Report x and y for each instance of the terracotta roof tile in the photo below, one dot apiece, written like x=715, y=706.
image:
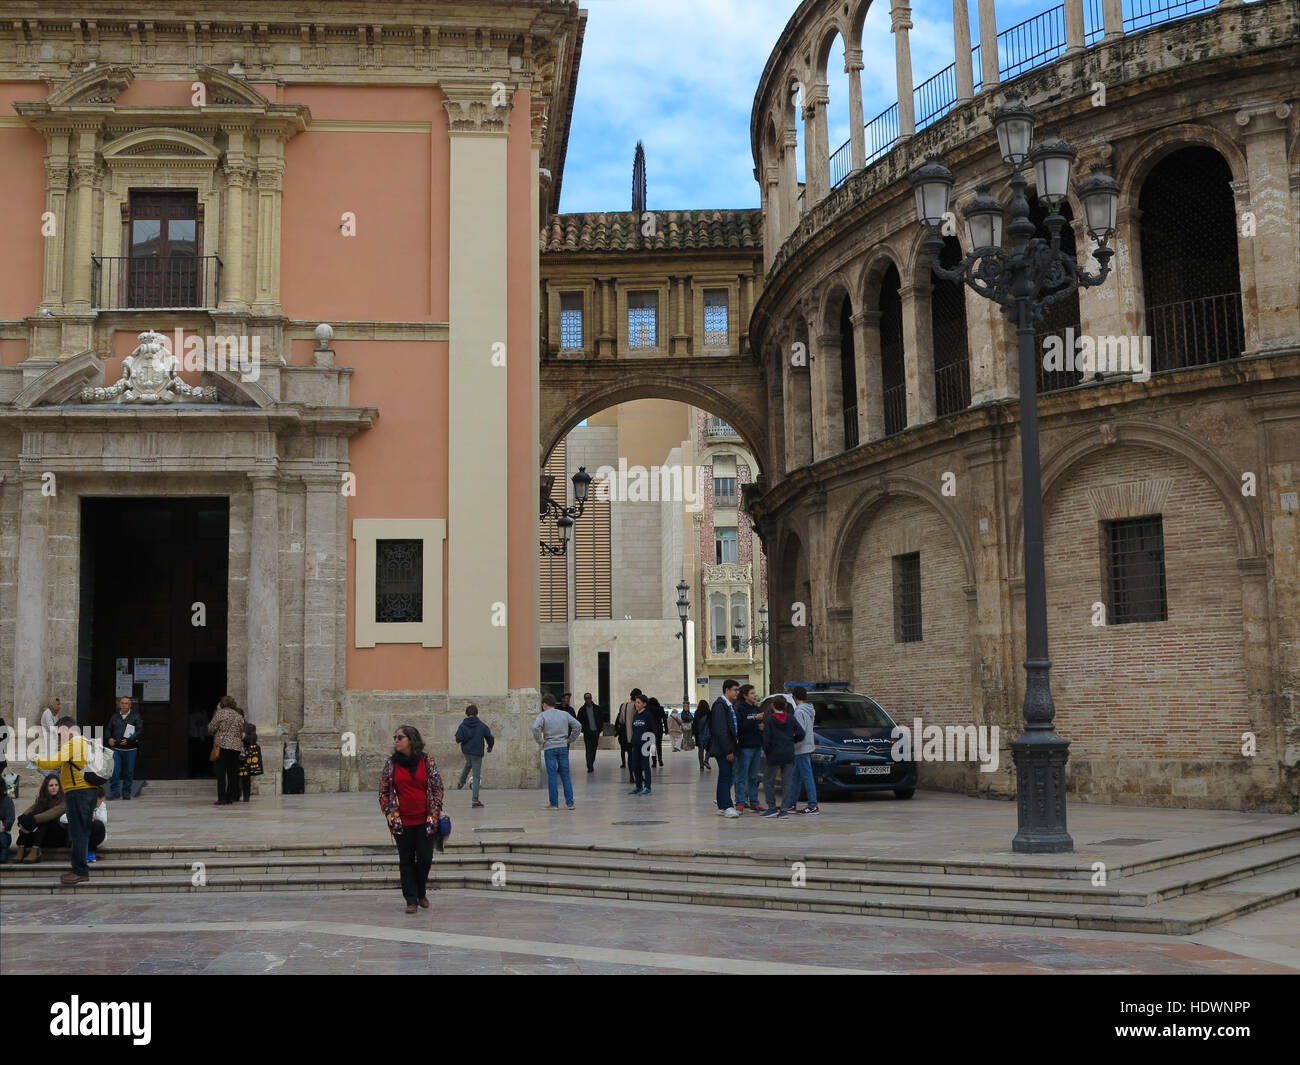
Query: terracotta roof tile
x=674, y=231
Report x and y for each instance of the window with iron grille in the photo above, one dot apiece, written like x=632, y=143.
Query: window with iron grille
x=1060, y=319
x=726, y=545
x=1135, y=572
x=715, y=318
x=893, y=374
x=848, y=375
x=948, y=331
x=643, y=319
x=724, y=491
x=399, y=581
x=907, y=598
x=718, y=621
x=1190, y=275
x=571, y=321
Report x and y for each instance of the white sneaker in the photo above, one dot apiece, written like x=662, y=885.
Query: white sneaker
x=730, y=811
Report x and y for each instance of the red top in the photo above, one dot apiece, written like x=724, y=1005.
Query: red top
x=412, y=794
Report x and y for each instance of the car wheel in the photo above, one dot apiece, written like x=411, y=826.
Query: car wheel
x=904, y=793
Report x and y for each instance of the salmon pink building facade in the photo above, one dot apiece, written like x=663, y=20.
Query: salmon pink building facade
x=268, y=374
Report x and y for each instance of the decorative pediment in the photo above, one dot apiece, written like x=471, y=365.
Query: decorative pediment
x=99, y=85
x=62, y=382
x=225, y=89
x=158, y=141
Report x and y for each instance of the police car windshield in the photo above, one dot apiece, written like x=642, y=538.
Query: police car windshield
x=843, y=710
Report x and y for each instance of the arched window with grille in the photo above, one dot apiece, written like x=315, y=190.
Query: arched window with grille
x=893, y=372
x=848, y=375
x=1061, y=319
x=948, y=328
x=718, y=621
x=1190, y=275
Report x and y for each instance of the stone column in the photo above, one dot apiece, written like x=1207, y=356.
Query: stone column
x=681, y=339
x=605, y=308
x=866, y=352
x=857, y=123
x=84, y=178
x=900, y=21
x=31, y=628
x=989, y=45
x=238, y=178
x=987, y=334
x=263, y=699
x=1073, y=26
x=270, y=192
x=817, y=153
x=918, y=352
x=827, y=392
x=1273, y=245
x=965, y=75
x=790, y=212
x=775, y=230
x=56, y=203
x=1112, y=15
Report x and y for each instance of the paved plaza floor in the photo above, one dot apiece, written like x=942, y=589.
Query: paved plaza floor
x=481, y=931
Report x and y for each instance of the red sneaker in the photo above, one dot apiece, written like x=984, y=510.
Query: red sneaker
x=759, y=807
x=740, y=807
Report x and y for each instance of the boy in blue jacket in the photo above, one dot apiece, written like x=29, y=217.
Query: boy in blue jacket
x=472, y=735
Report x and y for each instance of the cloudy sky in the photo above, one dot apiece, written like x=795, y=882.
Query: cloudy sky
x=681, y=75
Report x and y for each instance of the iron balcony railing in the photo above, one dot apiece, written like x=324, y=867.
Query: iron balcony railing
x=952, y=387
x=1195, y=332
x=717, y=427
x=726, y=499
x=895, y=400
x=122, y=282
x=1021, y=48
x=850, y=427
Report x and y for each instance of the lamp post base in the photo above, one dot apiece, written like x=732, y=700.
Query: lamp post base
x=1040, y=756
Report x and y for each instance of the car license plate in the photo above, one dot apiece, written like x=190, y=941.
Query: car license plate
x=872, y=770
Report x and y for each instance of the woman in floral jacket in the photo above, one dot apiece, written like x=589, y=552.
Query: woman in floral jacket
x=410, y=795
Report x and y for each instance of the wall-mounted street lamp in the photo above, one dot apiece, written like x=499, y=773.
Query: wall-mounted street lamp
x=756, y=641
x=1024, y=281
x=564, y=517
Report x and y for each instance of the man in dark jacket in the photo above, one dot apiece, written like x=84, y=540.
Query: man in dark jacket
x=593, y=719
x=124, y=728
x=472, y=734
x=749, y=742
x=780, y=733
x=647, y=731
x=722, y=746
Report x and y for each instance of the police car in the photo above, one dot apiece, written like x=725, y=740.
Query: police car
x=854, y=745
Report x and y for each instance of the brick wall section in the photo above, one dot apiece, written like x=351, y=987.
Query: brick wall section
x=929, y=679
x=1158, y=690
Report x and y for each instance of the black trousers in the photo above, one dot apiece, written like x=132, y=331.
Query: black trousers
x=640, y=765
x=228, y=776
x=245, y=787
x=48, y=835
x=414, y=858
x=97, y=834
x=592, y=740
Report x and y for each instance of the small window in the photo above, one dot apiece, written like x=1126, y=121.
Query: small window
x=724, y=491
x=718, y=621
x=643, y=319
x=726, y=545
x=1136, y=570
x=399, y=581
x=715, y=318
x=571, y=321
x=907, y=598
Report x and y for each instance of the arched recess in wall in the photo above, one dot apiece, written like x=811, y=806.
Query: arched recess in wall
x=831, y=71
x=893, y=366
x=1191, y=279
x=792, y=611
x=950, y=338
x=798, y=424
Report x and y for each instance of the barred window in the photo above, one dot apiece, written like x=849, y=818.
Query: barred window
x=399, y=581
x=715, y=318
x=1136, y=570
x=643, y=319
x=907, y=598
x=571, y=321
x=724, y=491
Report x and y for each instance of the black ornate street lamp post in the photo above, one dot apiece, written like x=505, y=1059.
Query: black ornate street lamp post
x=1024, y=282
x=756, y=641
x=564, y=516
x=683, y=612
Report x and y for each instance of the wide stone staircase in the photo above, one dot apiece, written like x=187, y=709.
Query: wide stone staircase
x=1176, y=894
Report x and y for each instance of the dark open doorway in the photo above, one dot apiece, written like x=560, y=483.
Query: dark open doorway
x=153, y=618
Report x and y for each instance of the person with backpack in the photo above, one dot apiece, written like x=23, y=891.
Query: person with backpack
x=124, y=728
x=227, y=731
x=780, y=734
x=700, y=730
x=79, y=781
x=473, y=734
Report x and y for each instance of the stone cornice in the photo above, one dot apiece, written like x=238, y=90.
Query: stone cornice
x=475, y=107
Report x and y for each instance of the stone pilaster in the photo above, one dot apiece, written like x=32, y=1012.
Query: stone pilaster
x=31, y=634
x=866, y=353
x=85, y=180
x=270, y=193
x=238, y=178
x=918, y=352
x=827, y=397
x=57, y=175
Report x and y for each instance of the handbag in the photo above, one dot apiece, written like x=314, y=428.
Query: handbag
x=444, y=826
x=214, y=754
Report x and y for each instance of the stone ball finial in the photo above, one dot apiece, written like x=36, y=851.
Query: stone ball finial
x=324, y=334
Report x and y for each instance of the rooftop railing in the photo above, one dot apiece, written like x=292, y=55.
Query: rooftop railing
x=1021, y=48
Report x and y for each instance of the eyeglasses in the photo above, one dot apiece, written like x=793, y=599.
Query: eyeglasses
x=399, y=736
